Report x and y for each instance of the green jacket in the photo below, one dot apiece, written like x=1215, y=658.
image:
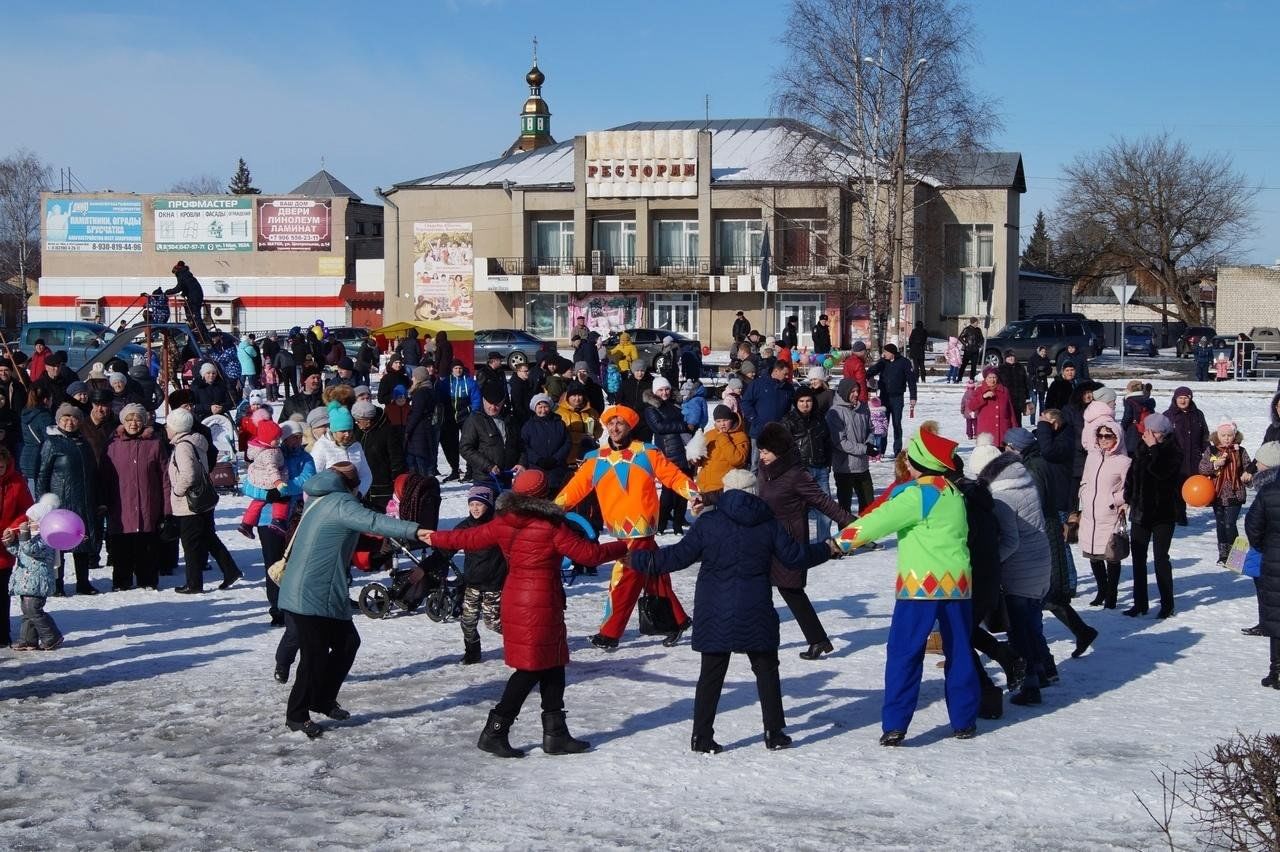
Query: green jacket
x=928, y=515
x=315, y=577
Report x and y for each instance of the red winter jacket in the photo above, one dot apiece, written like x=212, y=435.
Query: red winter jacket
x=533, y=537
x=15, y=499
x=856, y=368
x=995, y=415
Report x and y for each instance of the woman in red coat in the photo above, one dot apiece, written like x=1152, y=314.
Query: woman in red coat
x=531, y=533
x=991, y=407
x=15, y=499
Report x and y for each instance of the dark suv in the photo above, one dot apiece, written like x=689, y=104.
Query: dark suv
x=1191, y=335
x=1025, y=336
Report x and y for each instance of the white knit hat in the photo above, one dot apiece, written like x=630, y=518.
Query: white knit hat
x=983, y=454
x=180, y=421
x=818, y=374
x=540, y=397
x=659, y=383
x=740, y=480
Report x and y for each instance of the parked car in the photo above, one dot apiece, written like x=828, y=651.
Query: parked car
x=649, y=340
x=80, y=340
x=514, y=345
x=1093, y=328
x=1187, y=340
x=1025, y=336
x=1266, y=343
x=351, y=337
x=1140, y=340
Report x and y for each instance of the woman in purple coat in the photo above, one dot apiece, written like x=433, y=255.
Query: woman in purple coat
x=134, y=490
x=1192, y=434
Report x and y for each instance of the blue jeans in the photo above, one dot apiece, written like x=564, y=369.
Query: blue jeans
x=894, y=405
x=822, y=476
x=908, y=633
x=953, y=375
x=1026, y=634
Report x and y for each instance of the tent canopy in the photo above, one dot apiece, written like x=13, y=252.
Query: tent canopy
x=425, y=328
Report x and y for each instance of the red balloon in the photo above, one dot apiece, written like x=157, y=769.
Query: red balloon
x=706, y=350
x=1198, y=491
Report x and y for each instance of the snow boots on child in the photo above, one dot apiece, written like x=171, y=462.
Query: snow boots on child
x=493, y=738
x=556, y=738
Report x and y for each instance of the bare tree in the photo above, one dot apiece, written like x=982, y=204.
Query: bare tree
x=1151, y=204
x=198, y=185
x=23, y=176
x=886, y=81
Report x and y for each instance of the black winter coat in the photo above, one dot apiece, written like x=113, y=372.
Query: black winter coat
x=384, y=451
x=790, y=492
x=35, y=431
x=812, y=439
x=984, y=554
x=1262, y=527
x=57, y=386
x=741, y=328
x=301, y=403
x=483, y=446
x=545, y=445
x=1151, y=486
x=520, y=391
x=1058, y=448
x=1192, y=433
x=631, y=394
x=484, y=570
x=69, y=468
x=1133, y=408
x=1081, y=362
x=206, y=394
x=391, y=380
x=586, y=352
x=1273, y=431
x=422, y=410
x=1059, y=393
x=895, y=378
x=1038, y=372
x=1073, y=414
x=666, y=423
x=1014, y=378
x=821, y=339
x=733, y=600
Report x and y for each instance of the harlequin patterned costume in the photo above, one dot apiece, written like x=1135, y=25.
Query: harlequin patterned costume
x=624, y=481
x=933, y=584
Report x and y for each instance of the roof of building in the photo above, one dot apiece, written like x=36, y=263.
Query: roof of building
x=743, y=150
x=1025, y=273
x=324, y=185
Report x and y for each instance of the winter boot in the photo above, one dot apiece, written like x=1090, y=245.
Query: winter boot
x=1029, y=696
x=1084, y=640
x=493, y=738
x=471, y=653
x=704, y=745
x=556, y=738
x=1113, y=586
x=991, y=703
x=776, y=740
x=1273, y=674
x=1050, y=674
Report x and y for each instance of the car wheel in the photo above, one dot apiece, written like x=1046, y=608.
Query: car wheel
x=992, y=359
x=516, y=358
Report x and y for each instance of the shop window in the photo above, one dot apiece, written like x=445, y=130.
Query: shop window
x=546, y=315
x=739, y=243
x=969, y=252
x=553, y=245
x=676, y=312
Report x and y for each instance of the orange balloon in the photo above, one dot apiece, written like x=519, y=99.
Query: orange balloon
x=1198, y=491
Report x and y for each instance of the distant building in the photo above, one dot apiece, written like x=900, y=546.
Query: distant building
x=1042, y=293
x=663, y=224
x=1248, y=296
x=265, y=262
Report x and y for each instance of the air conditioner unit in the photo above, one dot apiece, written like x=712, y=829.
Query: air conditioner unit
x=89, y=310
x=597, y=262
x=220, y=312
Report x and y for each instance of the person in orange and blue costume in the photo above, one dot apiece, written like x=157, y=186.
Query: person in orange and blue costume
x=624, y=475
x=934, y=585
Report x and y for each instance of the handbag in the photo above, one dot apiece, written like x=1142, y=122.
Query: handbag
x=275, y=571
x=656, y=616
x=202, y=496
x=1117, y=549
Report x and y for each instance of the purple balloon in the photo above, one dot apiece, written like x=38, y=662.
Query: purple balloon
x=62, y=529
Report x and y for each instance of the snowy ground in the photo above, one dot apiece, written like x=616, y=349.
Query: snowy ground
x=159, y=726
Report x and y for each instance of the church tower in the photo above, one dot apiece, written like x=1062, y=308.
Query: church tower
x=535, y=118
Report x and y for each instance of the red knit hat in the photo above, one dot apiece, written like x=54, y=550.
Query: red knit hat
x=268, y=432
x=530, y=482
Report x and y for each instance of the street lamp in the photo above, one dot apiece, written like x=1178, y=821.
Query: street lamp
x=899, y=173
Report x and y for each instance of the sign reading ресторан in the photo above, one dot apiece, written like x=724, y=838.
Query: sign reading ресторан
x=294, y=224
x=642, y=163
x=204, y=223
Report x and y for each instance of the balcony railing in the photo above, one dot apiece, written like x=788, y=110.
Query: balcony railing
x=600, y=264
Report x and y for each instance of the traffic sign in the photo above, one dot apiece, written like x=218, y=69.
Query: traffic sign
x=911, y=289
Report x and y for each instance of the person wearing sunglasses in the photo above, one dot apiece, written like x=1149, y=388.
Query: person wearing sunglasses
x=1102, y=507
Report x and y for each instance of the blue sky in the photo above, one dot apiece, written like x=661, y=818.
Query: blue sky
x=149, y=93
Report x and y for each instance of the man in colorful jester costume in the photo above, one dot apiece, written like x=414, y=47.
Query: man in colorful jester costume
x=624, y=475
x=933, y=585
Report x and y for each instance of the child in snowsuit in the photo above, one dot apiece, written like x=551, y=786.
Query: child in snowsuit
x=934, y=584
x=483, y=573
x=955, y=357
x=1227, y=464
x=266, y=477
x=879, y=427
x=1222, y=367
x=34, y=578
x=970, y=416
x=612, y=378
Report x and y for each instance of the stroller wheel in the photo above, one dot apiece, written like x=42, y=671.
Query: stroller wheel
x=439, y=605
x=375, y=600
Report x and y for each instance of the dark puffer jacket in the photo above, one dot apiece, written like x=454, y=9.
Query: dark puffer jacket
x=35, y=429
x=484, y=570
x=1262, y=527
x=790, y=492
x=383, y=448
x=1151, y=489
x=1273, y=431
x=736, y=544
x=533, y=536
x=69, y=468
x=1192, y=433
x=206, y=394
x=484, y=447
x=545, y=445
x=666, y=423
x=812, y=439
x=417, y=430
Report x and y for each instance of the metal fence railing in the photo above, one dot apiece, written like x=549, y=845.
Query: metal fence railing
x=599, y=263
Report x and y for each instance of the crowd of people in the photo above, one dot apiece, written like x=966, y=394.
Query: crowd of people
x=637, y=448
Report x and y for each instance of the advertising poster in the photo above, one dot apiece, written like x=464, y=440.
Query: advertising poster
x=294, y=224
x=606, y=313
x=92, y=224
x=443, y=276
x=213, y=223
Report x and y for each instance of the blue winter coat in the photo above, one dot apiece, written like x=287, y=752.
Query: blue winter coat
x=545, y=442
x=666, y=423
x=733, y=601
x=458, y=396
x=35, y=572
x=35, y=428
x=896, y=377
x=315, y=578
x=695, y=408
x=417, y=429
x=766, y=401
x=298, y=467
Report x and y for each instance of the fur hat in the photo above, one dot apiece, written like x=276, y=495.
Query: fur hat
x=364, y=410
x=983, y=454
x=363, y=390
x=117, y=379
x=136, y=408
x=723, y=412
x=493, y=394
x=540, y=397
x=68, y=410
x=530, y=482
x=179, y=422
x=318, y=417
x=1268, y=454
x=46, y=504
x=775, y=438
x=734, y=383
x=741, y=480
x=98, y=371
x=660, y=382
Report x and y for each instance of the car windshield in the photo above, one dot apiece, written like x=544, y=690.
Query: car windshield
x=1014, y=330
x=1139, y=329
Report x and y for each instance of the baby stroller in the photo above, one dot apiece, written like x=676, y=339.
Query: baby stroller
x=223, y=474
x=440, y=587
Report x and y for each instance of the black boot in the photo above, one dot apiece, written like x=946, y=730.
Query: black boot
x=1050, y=674
x=556, y=738
x=776, y=740
x=1113, y=585
x=991, y=704
x=816, y=650
x=493, y=738
x=1273, y=674
x=704, y=745
x=471, y=653
x=1084, y=640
